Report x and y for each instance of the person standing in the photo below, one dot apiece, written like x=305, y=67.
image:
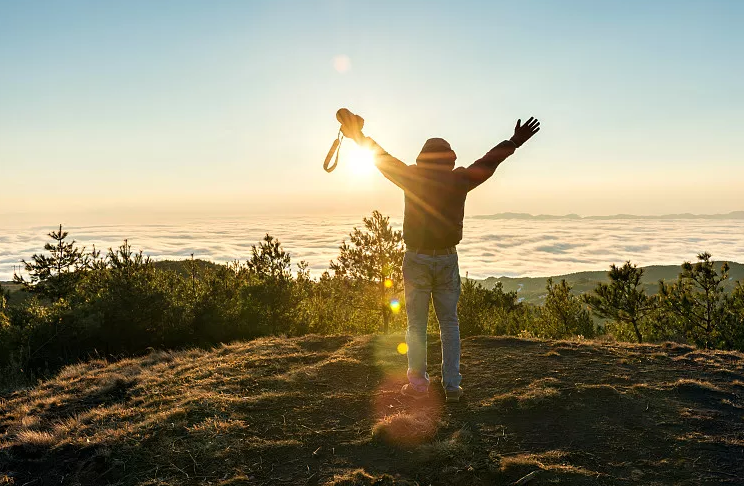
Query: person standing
x=435, y=193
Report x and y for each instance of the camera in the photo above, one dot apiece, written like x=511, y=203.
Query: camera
x=350, y=124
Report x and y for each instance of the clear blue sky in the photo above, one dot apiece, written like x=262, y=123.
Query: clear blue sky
x=228, y=106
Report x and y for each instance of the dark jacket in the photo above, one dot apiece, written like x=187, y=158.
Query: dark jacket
x=435, y=195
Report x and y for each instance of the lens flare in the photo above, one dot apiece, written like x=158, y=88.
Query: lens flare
x=341, y=63
x=395, y=306
x=402, y=348
x=388, y=283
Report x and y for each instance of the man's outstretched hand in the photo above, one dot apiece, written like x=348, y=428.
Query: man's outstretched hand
x=351, y=124
x=522, y=133
x=353, y=133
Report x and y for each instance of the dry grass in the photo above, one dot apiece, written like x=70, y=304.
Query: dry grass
x=405, y=429
x=35, y=439
x=683, y=383
x=327, y=410
x=553, y=461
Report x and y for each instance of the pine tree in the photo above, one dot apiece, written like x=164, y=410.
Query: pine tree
x=269, y=260
x=698, y=302
x=563, y=314
x=623, y=300
x=735, y=328
x=375, y=256
x=55, y=276
x=274, y=288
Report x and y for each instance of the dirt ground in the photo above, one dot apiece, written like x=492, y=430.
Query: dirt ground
x=327, y=411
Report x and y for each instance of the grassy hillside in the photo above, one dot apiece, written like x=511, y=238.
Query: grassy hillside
x=533, y=289
x=317, y=410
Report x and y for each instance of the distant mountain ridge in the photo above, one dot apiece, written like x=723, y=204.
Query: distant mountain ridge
x=731, y=215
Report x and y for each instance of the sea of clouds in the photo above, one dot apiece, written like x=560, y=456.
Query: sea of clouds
x=520, y=247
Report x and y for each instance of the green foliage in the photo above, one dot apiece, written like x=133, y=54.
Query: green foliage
x=490, y=311
x=375, y=257
x=269, y=261
x=4, y=323
x=563, y=315
x=624, y=301
x=3, y=304
x=335, y=304
x=735, y=328
x=697, y=304
x=132, y=305
x=271, y=289
x=54, y=276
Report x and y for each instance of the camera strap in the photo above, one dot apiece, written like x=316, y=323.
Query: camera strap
x=335, y=148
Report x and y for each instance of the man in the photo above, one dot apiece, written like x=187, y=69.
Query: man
x=435, y=195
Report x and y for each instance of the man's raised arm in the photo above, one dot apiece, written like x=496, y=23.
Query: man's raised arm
x=392, y=168
x=482, y=169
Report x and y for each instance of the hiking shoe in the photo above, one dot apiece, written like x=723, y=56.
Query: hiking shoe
x=409, y=391
x=453, y=395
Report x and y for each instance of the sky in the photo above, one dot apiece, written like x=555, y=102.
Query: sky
x=141, y=108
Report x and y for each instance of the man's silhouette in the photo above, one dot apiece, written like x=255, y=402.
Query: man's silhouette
x=435, y=195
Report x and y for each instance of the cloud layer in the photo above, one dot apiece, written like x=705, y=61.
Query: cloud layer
x=489, y=247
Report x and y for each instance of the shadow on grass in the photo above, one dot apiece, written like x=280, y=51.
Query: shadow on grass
x=303, y=411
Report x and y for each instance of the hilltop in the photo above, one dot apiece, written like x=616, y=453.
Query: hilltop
x=326, y=410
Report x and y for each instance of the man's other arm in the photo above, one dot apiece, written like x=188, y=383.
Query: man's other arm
x=483, y=168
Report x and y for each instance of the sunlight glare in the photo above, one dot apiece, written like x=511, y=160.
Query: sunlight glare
x=360, y=160
x=402, y=348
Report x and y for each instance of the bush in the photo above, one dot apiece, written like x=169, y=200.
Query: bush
x=490, y=311
x=563, y=315
x=696, y=305
x=735, y=328
x=623, y=301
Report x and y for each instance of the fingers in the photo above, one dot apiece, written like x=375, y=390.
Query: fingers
x=533, y=125
x=519, y=121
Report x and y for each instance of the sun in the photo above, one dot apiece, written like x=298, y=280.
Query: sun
x=360, y=161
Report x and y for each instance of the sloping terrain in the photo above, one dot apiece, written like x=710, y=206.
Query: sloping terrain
x=327, y=410
x=532, y=289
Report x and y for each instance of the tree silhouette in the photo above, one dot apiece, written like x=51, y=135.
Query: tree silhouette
x=55, y=276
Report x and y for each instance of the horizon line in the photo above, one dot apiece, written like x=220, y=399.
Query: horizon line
x=514, y=215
